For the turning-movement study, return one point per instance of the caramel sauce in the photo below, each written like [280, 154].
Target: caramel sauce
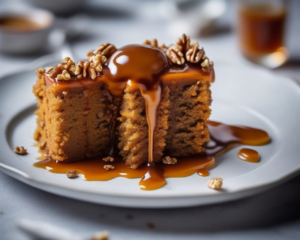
[261, 28]
[146, 67]
[223, 137]
[248, 155]
[141, 66]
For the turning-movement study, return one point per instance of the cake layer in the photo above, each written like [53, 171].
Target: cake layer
[139, 102]
[181, 122]
[75, 124]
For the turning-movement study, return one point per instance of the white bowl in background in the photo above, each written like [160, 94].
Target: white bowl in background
[23, 42]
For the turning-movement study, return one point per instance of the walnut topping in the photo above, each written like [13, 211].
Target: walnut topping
[108, 159]
[207, 65]
[85, 67]
[108, 167]
[169, 160]
[72, 174]
[49, 69]
[215, 183]
[184, 43]
[194, 54]
[101, 236]
[74, 70]
[97, 61]
[154, 43]
[92, 72]
[40, 72]
[65, 75]
[66, 63]
[105, 49]
[175, 55]
[20, 150]
[80, 64]
[184, 51]
[194, 44]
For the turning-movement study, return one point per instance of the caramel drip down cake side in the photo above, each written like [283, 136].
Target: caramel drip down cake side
[133, 130]
[149, 107]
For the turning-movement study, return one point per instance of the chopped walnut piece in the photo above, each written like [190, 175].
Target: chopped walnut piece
[72, 174]
[215, 183]
[169, 160]
[206, 65]
[105, 49]
[20, 150]
[97, 61]
[101, 236]
[194, 54]
[194, 44]
[175, 55]
[67, 62]
[80, 64]
[154, 43]
[184, 43]
[79, 76]
[72, 70]
[49, 69]
[85, 67]
[98, 58]
[65, 75]
[40, 72]
[108, 159]
[77, 70]
[90, 53]
[92, 72]
[108, 167]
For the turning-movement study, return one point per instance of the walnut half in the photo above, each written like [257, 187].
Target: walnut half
[154, 43]
[194, 54]
[105, 49]
[184, 43]
[175, 55]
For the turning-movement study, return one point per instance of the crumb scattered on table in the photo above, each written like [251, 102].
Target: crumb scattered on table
[72, 174]
[215, 183]
[20, 150]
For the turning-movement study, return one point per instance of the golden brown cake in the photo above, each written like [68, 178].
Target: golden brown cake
[141, 102]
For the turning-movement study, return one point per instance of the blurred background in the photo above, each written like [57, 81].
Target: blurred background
[258, 33]
[32, 28]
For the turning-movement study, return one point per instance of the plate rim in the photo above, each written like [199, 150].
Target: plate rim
[27, 178]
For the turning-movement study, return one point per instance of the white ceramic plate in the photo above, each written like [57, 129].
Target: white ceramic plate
[241, 95]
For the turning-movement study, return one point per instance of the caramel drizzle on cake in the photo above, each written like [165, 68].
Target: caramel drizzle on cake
[141, 66]
[151, 94]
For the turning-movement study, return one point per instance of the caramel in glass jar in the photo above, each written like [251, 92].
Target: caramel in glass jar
[261, 27]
